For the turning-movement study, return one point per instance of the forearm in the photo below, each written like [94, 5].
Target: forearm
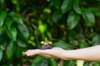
[91, 53]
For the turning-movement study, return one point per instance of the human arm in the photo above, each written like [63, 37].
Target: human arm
[90, 53]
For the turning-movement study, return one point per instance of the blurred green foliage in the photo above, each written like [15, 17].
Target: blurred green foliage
[70, 24]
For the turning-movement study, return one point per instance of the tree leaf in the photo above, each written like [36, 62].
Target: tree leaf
[96, 39]
[56, 15]
[38, 59]
[12, 33]
[52, 62]
[88, 16]
[2, 3]
[23, 30]
[63, 45]
[3, 15]
[69, 63]
[21, 43]
[10, 50]
[66, 5]
[42, 27]
[83, 44]
[15, 18]
[72, 20]
[94, 64]
[1, 54]
[8, 22]
[57, 3]
[1, 30]
[96, 11]
[14, 1]
[47, 10]
[19, 52]
[18, 20]
[76, 6]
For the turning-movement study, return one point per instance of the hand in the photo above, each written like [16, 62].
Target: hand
[48, 53]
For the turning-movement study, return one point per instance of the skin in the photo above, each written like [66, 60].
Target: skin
[90, 53]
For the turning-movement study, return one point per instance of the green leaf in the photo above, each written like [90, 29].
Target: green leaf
[21, 43]
[8, 22]
[66, 5]
[96, 11]
[69, 63]
[47, 10]
[95, 64]
[19, 52]
[12, 33]
[14, 1]
[83, 44]
[63, 45]
[42, 27]
[12, 17]
[73, 20]
[44, 63]
[23, 30]
[16, 18]
[57, 3]
[96, 39]
[52, 62]
[76, 6]
[10, 50]
[71, 35]
[38, 60]
[56, 15]
[1, 54]
[2, 3]
[3, 15]
[1, 30]
[88, 16]
[31, 42]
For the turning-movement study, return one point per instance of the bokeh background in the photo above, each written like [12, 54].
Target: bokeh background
[69, 24]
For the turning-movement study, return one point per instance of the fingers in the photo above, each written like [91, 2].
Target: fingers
[48, 53]
[32, 52]
[37, 52]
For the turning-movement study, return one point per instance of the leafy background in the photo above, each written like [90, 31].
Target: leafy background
[69, 24]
